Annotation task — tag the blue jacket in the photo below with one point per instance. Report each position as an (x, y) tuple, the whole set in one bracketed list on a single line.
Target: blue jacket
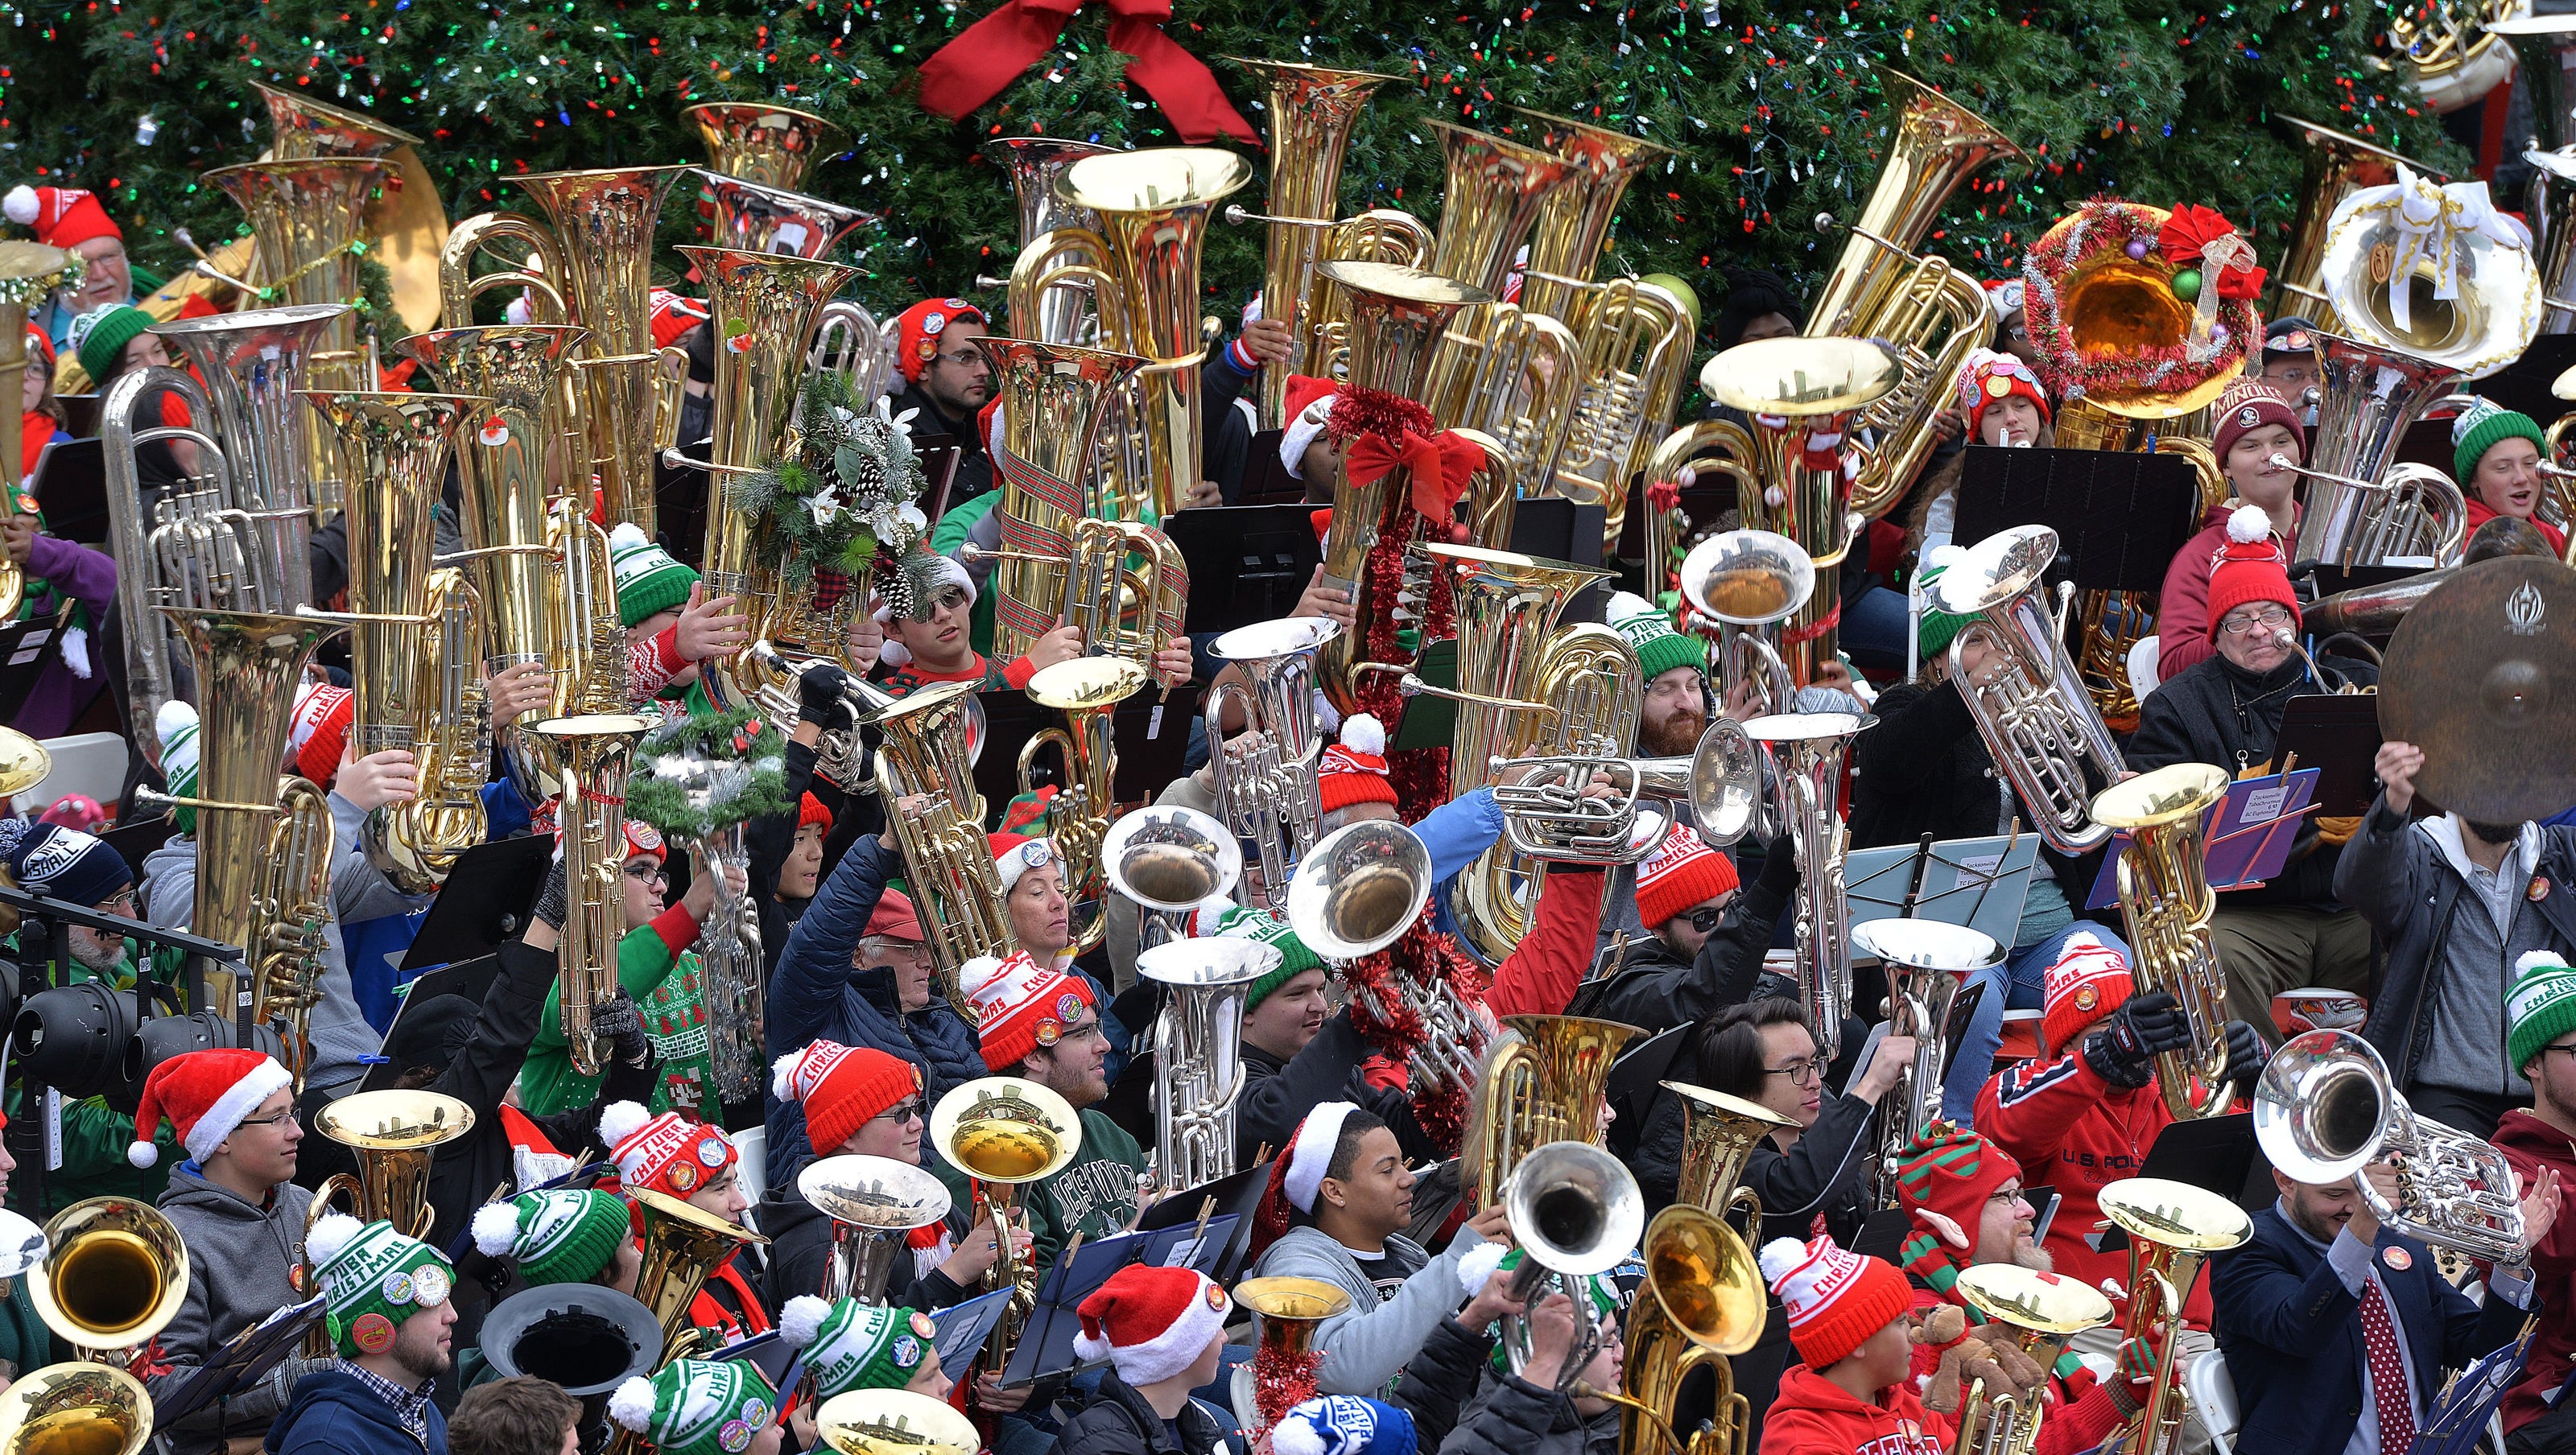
[(2291, 1333), (335, 1413)]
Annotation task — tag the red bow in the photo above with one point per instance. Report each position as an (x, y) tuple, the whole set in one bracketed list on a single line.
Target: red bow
[(991, 53), (1441, 463)]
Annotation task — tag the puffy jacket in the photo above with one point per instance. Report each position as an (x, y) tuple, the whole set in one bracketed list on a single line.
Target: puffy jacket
[(242, 1263), (1438, 1382), (335, 1413), (1512, 1416), (1117, 1421), (1812, 1415), (73, 574)]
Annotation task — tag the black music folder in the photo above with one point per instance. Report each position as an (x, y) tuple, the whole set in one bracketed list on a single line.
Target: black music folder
[(488, 898), (2524, 383), (1046, 1341), (71, 484), (1564, 530), (2214, 1154), (471, 979), (2337, 733), (2119, 516), (1248, 563)]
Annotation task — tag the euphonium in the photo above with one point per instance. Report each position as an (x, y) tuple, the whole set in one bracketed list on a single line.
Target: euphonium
[(591, 755), (1595, 691), (1124, 613), (948, 859), (306, 218), (1542, 1081), (1801, 397), (1054, 397), (28, 271), (682, 1246), (2327, 1107), (1288, 1309), (75, 1408), (2038, 721), (2446, 50), (2166, 902), (1797, 760), (1396, 315), (2173, 1227), (1575, 1212), (760, 141), (1198, 1053), (1491, 194), (1718, 1133), (1520, 386), (393, 1135), (1701, 1303), (2336, 165), (2368, 397), (115, 1274), (1062, 314), (1265, 776), (1928, 964), (1170, 860), (1005, 1133), (1748, 582), (850, 342), (2044, 1311), (873, 1202), (1087, 690)]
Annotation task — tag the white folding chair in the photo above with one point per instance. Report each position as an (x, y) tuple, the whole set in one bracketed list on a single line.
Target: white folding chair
[(2213, 1397), (2142, 666), (89, 763)]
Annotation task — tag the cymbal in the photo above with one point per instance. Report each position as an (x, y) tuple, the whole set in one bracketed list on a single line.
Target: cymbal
[(2476, 676), (24, 763)]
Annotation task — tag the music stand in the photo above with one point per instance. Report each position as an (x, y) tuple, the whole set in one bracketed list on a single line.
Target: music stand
[(243, 1360), (940, 455), (2214, 1154), (135, 841), (964, 1327), (471, 979), (71, 484), (2337, 734), (1975, 883), (26, 647), (1266, 481), (2524, 383), (2247, 835), (1237, 1196), (1248, 563), (1152, 735), (488, 898), (1046, 1340), (1636, 1076), (2120, 516), (1556, 529)]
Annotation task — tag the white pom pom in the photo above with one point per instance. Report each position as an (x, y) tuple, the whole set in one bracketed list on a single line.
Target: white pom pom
[(1779, 1256), (20, 205), (802, 1319), (2532, 959), (325, 1240), (1477, 1264), (1363, 733), (74, 646), (782, 1075), (632, 1405), (517, 311), (1625, 604), (1297, 1435), (626, 537), (496, 1227), (978, 973), (174, 716), (1087, 1348), (894, 653), (619, 1120), (142, 1154), (1209, 918), (1944, 556), (2248, 524)]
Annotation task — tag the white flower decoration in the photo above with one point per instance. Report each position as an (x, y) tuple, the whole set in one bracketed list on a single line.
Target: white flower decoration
[(825, 504)]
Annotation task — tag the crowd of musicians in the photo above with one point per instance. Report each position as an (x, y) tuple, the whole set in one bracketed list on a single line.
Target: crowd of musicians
[(1486, 960)]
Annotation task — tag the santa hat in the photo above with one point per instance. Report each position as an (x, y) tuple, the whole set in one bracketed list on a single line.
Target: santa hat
[(1020, 1006), (2003, 295), (1344, 1424), (842, 1088), (63, 217), (1354, 769), (1948, 1175), (697, 1406), (944, 573), (205, 1094), (1152, 1323), (319, 731), (668, 1153), (1309, 409), (852, 1345), (555, 1234), (2250, 404), (2250, 567), (2088, 982), (1016, 854), (674, 314), (1683, 871), (1835, 1300), (1298, 1175), (917, 331), (1989, 376)]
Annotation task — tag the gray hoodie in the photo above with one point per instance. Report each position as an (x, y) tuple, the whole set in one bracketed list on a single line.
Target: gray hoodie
[(341, 1036), (1367, 1345), (241, 1262)]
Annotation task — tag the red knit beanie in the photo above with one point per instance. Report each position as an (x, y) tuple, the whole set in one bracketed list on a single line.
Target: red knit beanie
[(1948, 1175), (1020, 1006), (2250, 567), (1682, 872), (205, 1094), (917, 331), (1835, 1300), (2249, 405), (1354, 769), (668, 1153), (2088, 982), (319, 731), (1988, 377), (811, 810), (674, 314), (842, 1088), (1151, 1323)]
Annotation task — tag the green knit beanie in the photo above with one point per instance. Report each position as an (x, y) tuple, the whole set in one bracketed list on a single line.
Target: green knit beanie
[(697, 1406), (1933, 633), (2539, 1008), (99, 337), (2479, 428), (1269, 928), (1649, 629), (373, 1279), (852, 1345), (648, 580), (559, 1235)]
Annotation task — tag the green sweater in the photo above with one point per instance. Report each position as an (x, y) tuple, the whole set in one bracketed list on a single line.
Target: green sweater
[(666, 989), (1095, 1195)]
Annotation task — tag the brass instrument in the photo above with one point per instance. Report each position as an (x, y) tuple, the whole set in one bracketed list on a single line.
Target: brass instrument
[(1005, 1133), (1792, 765), (583, 1337), (2173, 1227), (1087, 690), (1491, 193), (1379, 235), (1198, 1053), (1801, 398), (850, 342), (1700, 1304), (757, 218), (2373, 611), (1636, 353), (1519, 387), (1718, 1133), (1125, 614), (2493, 319), (114, 1275), (894, 1422), (2336, 166), (590, 756), (393, 1135), (874, 1204), (75, 1408), (1573, 224), (2165, 904), (2044, 1311), (1312, 110), (1355, 893), (1054, 398), (404, 223), (760, 141), (950, 862), (1287, 1311), (2447, 51), (1264, 778), (2354, 513), (2326, 1108), (1749, 581), (1548, 815), (1928, 964), (1064, 312), (1170, 860), (729, 953), (28, 271), (24, 763), (1575, 1212), (1396, 316), (1542, 1081), (2039, 723), (683, 1245), (308, 231)]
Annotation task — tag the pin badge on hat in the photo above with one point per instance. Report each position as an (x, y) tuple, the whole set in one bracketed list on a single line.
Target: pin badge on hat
[(429, 1287), (735, 1436), (711, 1151), (907, 1351), (373, 1333), (684, 1175), (1997, 386), (397, 1287)]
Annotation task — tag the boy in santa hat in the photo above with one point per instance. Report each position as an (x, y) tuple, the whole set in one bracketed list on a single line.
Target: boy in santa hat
[(72, 219), (1163, 1332), (1853, 1388)]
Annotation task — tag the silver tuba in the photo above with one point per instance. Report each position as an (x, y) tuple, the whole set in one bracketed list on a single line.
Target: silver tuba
[(1748, 582), (1171, 860), (874, 1203), (1576, 1212), (2360, 507), (1792, 765), (1928, 964), (1198, 1053), (2038, 720), (1355, 893), (2327, 1107), (1265, 777), (729, 953)]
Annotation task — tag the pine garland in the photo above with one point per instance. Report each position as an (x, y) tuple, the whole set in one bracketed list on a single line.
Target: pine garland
[(844, 504), (710, 770)]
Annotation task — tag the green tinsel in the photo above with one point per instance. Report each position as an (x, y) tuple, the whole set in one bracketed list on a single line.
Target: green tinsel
[(723, 737)]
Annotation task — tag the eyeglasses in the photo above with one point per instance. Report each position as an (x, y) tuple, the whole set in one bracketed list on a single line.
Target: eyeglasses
[(902, 1111), (2558, 1050), (287, 1115), (121, 902), (643, 872), (962, 358), (1800, 1071), (1707, 921), (2272, 620)]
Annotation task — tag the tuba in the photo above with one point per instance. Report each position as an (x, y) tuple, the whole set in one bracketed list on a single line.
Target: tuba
[(114, 1275), (1170, 860), (1355, 893), (1636, 351), (756, 218), (682, 1247), (1288, 1310), (1087, 690), (1928, 964), (2045, 1310), (1265, 777), (2494, 317), (2037, 718), (1792, 765), (1542, 1081), (1124, 613), (1718, 1133), (2165, 903), (874, 1204), (2173, 1227), (1198, 1053), (28, 271), (2336, 166), (585, 1338), (589, 756), (1700, 1304), (2327, 1107), (1063, 313), (759, 141), (2446, 50), (2357, 511), (1005, 1133), (924, 751), (894, 1422), (393, 1135), (1054, 398), (729, 953), (308, 233), (1491, 195), (1748, 582), (75, 1408), (404, 221), (1575, 1213)]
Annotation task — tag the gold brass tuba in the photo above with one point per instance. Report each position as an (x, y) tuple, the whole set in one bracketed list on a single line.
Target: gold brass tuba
[(114, 1276), (874, 1204), (2165, 903), (1927, 964), (1198, 1052), (1700, 1304), (1288, 1310), (1718, 1133), (948, 859), (1491, 194), (1062, 313), (2447, 51), (589, 756), (2173, 1227), (753, 217), (682, 1246), (1005, 1133), (393, 1135), (308, 232), (1087, 690), (2044, 1311), (760, 141), (75, 1408), (1636, 341), (1542, 1081), (404, 220), (1054, 397), (28, 271)]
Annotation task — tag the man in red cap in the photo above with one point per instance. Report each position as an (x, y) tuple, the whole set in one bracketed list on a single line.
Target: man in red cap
[(947, 380), (72, 219)]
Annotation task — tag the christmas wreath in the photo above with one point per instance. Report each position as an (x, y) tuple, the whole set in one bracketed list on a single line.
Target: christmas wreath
[(2151, 319), (843, 505), (710, 770)]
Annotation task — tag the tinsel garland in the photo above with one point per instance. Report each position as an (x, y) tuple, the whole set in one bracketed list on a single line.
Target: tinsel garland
[(1280, 1382), (682, 748), (2107, 225), (1420, 775), (1422, 956)]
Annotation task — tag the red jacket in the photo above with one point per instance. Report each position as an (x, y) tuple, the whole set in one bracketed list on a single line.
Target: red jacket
[(2479, 514), (2077, 1133), (1812, 1415), (2182, 609), (2531, 1144), (2081, 1413)]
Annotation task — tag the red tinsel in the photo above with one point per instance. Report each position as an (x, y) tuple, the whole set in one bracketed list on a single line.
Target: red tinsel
[(1281, 1382), (1423, 956), (1420, 775)]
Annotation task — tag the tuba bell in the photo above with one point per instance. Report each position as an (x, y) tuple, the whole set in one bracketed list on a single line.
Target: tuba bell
[(1748, 582), (894, 1422), (1355, 893), (1700, 1304), (1718, 1133), (1063, 312), (2173, 1227), (584, 1338), (874, 1204), (758, 218), (1198, 1053), (2494, 312), (1575, 1212), (1287, 1311), (393, 1135), (682, 1247), (304, 217), (1928, 964), (115, 1274), (2165, 904), (77, 1408), (2336, 166), (1170, 860), (1542, 1082), (1491, 194), (2043, 1312), (760, 141), (1265, 778), (1005, 1133)]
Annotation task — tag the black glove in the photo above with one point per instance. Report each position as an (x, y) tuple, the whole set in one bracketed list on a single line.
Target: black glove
[(2124, 1050), (820, 698), (617, 1020), (554, 902), (2245, 1057), (1780, 867)]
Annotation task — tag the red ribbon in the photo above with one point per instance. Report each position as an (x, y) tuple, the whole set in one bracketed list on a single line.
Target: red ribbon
[(1441, 464), (991, 54)]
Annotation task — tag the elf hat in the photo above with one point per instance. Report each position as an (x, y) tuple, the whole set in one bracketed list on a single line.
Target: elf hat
[(1354, 769), (1989, 376), (674, 314), (2250, 567), (1298, 1176), (1936, 629), (1344, 1424), (697, 1406), (2540, 1007), (1835, 1300), (1020, 1006), (63, 217), (176, 726), (2250, 404), (1016, 854), (1309, 409), (668, 1153), (2088, 982), (373, 1278), (852, 1345), (62, 863), (205, 1094), (1152, 1323), (101, 334), (1268, 927), (2483, 426), (842, 1088), (556, 1234), (649, 581), (319, 731), (1948, 1174), (917, 331), (1682, 872), (1649, 629)]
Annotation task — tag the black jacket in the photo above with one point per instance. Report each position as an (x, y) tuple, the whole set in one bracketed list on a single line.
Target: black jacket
[(1654, 990), (1925, 770), (1437, 1382), (1824, 1173), (1119, 1422), (800, 1247), (1278, 1094), (2402, 883), (974, 463), (769, 841), (1512, 1416)]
